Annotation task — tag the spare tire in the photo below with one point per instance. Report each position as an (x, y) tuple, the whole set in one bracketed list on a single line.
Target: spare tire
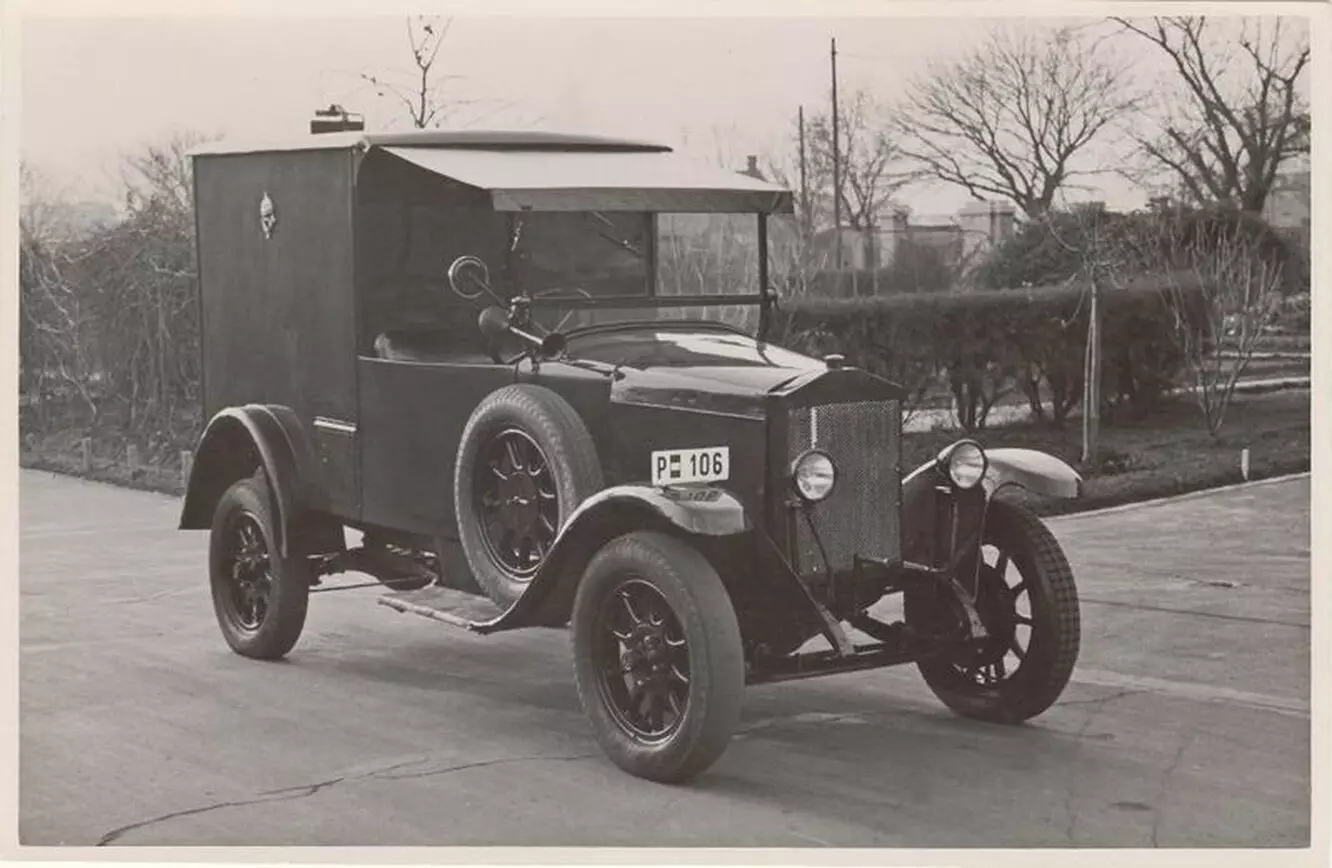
[(525, 463)]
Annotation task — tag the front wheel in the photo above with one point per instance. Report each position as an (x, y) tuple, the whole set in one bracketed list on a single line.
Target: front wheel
[(1028, 602), (259, 597), (657, 657)]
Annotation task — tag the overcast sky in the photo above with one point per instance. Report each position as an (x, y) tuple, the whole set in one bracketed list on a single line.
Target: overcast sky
[(95, 88)]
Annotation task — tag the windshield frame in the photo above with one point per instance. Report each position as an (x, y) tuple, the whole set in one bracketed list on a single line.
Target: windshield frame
[(764, 298)]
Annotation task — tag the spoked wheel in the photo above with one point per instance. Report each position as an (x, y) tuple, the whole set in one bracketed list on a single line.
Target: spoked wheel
[(259, 597), (517, 501), (249, 570), (657, 657), (1028, 602), (525, 463), (643, 657)]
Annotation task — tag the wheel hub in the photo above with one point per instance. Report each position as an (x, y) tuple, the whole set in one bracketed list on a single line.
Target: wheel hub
[(646, 655), (518, 502), (251, 579)]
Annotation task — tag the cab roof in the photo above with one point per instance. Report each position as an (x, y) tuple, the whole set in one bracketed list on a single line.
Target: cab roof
[(521, 140), (548, 171)]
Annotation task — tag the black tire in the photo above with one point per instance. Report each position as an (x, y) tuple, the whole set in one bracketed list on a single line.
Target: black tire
[(260, 601), (698, 628), (978, 685), (503, 560)]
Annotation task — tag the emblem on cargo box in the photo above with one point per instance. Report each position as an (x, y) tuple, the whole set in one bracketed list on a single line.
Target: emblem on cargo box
[(267, 215)]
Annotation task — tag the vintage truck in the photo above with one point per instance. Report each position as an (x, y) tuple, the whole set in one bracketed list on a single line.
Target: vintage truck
[(524, 379)]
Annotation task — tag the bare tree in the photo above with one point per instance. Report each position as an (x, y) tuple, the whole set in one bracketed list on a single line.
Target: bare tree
[(1242, 114), (871, 162), (1221, 288), (1011, 118), (39, 201), (422, 90), (158, 175)]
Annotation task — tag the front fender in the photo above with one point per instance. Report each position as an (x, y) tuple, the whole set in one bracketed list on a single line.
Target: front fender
[(1038, 472), (548, 600), (924, 507)]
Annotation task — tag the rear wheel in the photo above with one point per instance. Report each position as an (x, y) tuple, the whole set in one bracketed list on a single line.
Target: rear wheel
[(259, 597), (1028, 603), (657, 657)]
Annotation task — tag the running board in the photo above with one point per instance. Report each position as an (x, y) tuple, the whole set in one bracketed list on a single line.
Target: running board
[(449, 605)]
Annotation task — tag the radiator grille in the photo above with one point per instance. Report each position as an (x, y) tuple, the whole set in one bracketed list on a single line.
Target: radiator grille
[(860, 517)]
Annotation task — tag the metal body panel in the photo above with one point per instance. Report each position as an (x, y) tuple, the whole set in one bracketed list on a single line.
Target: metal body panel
[(411, 424), (589, 394), (277, 308), (336, 448)]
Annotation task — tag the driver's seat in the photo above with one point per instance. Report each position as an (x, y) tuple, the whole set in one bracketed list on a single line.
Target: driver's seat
[(451, 336), (413, 345)]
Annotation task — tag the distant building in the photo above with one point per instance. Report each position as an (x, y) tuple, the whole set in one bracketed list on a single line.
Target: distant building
[(985, 225), (960, 238), (1287, 206)]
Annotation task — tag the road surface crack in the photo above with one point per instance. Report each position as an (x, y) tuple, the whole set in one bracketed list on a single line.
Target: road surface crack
[(1167, 782), (483, 763), (1098, 707), (1101, 700), (303, 791)]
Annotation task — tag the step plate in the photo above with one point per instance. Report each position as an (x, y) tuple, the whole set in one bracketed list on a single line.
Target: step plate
[(449, 605)]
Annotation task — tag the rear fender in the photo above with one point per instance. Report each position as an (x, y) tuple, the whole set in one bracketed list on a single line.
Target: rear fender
[(548, 600), (240, 440)]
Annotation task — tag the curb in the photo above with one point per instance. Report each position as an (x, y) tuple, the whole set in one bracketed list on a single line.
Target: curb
[(1176, 498)]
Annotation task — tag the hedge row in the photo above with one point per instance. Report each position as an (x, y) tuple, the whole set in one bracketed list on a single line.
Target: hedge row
[(981, 345)]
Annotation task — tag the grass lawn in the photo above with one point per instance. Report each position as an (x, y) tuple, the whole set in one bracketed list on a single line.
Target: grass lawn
[(1168, 452)]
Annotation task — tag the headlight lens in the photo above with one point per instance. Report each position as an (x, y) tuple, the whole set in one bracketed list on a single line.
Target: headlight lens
[(813, 475), (967, 464)]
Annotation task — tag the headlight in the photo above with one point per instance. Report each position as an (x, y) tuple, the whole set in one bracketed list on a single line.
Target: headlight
[(813, 475), (967, 464)]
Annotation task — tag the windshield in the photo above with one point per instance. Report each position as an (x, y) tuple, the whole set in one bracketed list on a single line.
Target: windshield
[(582, 268), (592, 267)]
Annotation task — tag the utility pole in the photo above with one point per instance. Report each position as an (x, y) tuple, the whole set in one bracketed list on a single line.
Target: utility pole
[(1091, 387), (836, 161), (805, 222)]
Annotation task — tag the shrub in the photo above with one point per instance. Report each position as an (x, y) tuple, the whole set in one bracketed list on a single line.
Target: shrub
[(986, 343), (915, 268), (1045, 252), (1056, 249)]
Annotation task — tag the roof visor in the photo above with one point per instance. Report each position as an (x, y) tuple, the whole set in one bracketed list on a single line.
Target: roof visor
[(553, 180)]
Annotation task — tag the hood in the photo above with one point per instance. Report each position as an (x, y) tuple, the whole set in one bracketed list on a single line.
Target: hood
[(691, 367)]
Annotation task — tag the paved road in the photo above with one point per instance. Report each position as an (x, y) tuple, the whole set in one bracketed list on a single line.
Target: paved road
[(1187, 723)]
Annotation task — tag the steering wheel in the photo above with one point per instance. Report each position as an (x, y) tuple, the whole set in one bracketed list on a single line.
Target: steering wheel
[(545, 293)]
